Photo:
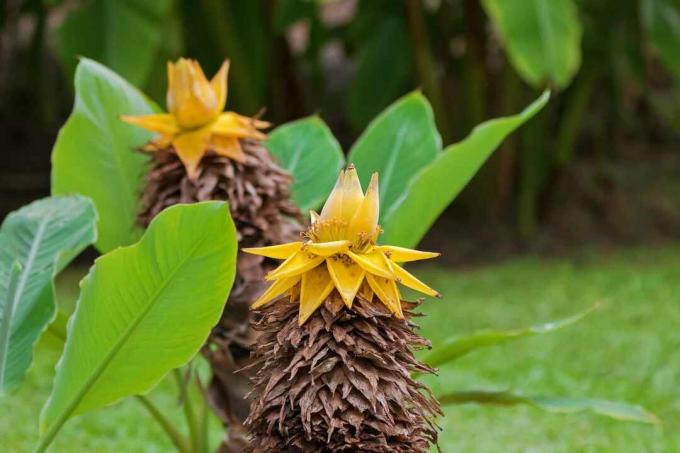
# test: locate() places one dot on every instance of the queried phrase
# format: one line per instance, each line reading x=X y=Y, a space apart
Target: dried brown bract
x=341 y=381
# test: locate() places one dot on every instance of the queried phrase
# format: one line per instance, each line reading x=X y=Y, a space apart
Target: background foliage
x=613 y=65
x=599 y=160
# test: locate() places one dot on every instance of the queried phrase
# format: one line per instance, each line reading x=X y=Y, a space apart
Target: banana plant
x=404 y=141
x=143 y=311
x=36 y=243
x=419 y=179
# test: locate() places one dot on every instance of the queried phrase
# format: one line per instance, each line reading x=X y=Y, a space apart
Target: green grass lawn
x=626 y=351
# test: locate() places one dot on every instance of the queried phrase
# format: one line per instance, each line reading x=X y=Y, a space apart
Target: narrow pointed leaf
x=310 y=152
x=42 y=238
x=95 y=153
x=559 y=405
x=456 y=347
x=399 y=142
x=432 y=189
x=144 y=310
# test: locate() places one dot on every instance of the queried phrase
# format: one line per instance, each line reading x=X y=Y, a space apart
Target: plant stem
x=534 y=168
x=507 y=156
x=222 y=28
x=425 y=64
x=572 y=119
x=177 y=438
x=189 y=414
x=204 y=418
x=474 y=71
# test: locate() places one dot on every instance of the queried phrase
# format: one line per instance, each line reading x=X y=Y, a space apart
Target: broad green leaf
x=144 y=310
x=454 y=348
x=432 y=189
x=542 y=38
x=310 y=152
x=7 y=299
x=398 y=143
x=661 y=20
x=125 y=35
x=559 y=405
x=42 y=238
x=95 y=153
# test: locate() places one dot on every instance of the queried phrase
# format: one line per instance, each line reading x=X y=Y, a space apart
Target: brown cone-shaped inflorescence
x=341 y=381
x=258 y=192
x=201 y=152
x=257 y=189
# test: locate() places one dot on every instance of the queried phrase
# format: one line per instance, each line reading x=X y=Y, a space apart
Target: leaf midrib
x=110 y=356
x=8 y=312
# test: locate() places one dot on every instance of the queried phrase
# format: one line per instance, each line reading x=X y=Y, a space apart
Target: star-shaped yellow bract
x=340 y=252
x=196 y=122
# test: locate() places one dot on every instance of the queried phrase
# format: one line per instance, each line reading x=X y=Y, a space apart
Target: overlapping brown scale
x=340 y=382
x=257 y=189
x=258 y=192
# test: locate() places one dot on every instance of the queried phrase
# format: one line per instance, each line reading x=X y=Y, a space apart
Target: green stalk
x=175 y=436
x=507 y=154
x=572 y=121
x=189 y=413
x=225 y=37
x=474 y=71
x=425 y=65
x=204 y=418
x=533 y=170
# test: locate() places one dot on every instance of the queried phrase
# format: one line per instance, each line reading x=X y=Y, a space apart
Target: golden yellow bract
x=196 y=122
x=340 y=252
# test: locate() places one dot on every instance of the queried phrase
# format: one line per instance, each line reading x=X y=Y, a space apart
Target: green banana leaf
x=542 y=38
x=41 y=238
x=143 y=311
x=95 y=153
x=398 y=142
x=433 y=188
x=558 y=405
x=310 y=152
x=455 y=348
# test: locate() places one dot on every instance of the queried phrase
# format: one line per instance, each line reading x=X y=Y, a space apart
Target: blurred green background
x=589 y=189
x=598 y=165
